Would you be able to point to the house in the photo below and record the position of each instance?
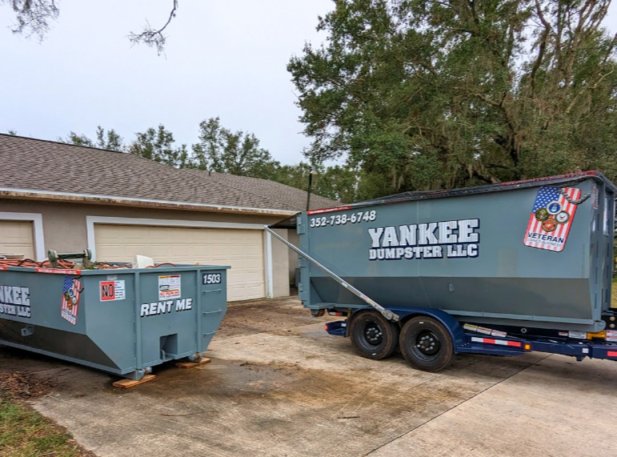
(68, 198)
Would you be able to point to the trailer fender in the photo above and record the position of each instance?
(449, 322)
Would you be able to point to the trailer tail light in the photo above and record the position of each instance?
(515, 344)
(597, 335)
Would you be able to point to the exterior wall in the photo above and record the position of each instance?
(65, 228)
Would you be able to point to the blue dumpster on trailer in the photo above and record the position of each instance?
(122, 321)
(499, 269)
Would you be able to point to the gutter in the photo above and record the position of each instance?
(67, 197)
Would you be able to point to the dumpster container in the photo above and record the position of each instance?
(529, 258)
(122, 321)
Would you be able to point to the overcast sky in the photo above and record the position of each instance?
(223, 58)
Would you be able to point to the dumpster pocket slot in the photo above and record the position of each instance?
(169, 346)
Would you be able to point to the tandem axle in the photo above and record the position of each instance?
(429, 338)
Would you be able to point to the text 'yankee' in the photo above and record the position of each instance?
(15, 301)
(432, 240)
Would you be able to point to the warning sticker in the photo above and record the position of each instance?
(169, 287)
(112, 290)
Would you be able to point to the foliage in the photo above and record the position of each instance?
(109, 139)
(158, 145)
(33, 17)
(431, 94)
(335, 182)
(237, 153)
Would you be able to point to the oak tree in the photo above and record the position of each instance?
(435, 94)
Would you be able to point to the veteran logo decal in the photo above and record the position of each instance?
(551, 218)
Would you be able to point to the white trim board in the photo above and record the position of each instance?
(268, 267)
(37, 225)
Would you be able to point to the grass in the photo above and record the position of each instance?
(614, 294)
(25, 433)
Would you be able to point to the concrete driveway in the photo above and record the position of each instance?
(279, 385)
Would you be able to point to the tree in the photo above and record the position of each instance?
(33, 18)
(109, 139)
(158, 145)
(237, 153)
(431, 94)
(336, 182)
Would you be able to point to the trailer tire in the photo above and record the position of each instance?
(426, 344)
(373, 336)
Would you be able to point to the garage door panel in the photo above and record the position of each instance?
(17, 237)
(240, 249)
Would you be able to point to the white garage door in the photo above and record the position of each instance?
(16, 237)
(240, 249)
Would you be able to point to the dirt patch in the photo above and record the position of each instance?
(279, 316)
(19, 384)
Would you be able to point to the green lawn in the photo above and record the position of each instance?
(25, 433)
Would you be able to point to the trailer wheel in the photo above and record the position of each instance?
(372, 335)
(426, 344)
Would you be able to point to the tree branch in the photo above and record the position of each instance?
(154, 37)
(33, 15)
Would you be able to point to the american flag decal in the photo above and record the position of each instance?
(71, 292)
(551, 218)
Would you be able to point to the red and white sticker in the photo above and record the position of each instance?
(516, 344)
(112, 290)
(170, 287)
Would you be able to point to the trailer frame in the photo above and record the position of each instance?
(468, 342)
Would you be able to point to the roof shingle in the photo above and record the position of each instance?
(41, 165)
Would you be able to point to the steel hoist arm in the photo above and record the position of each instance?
(383, 311)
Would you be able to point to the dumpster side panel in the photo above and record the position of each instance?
(213, 303)
(46, 324)
(111, 316)
(468, 259)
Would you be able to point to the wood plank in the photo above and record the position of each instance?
(130, 383)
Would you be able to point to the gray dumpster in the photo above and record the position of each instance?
(123, 321)
(534, 253)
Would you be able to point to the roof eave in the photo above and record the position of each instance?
(65, 197)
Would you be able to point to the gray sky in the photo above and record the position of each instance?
(223, 58)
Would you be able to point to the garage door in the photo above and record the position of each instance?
(17, 238)
(241, 249)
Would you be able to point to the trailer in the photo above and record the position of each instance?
(499, 269)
